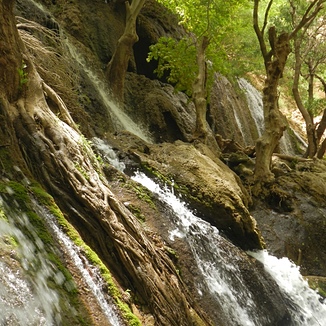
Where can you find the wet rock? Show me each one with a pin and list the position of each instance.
(210, 188)
(293, 218)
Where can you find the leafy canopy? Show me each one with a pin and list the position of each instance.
(225, 23)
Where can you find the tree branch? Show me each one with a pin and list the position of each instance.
(308, 17)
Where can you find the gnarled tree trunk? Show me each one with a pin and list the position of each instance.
(58, 157)
(274, 122)
(199, 92)
(11, 59)
(274, 59)
(117, 67)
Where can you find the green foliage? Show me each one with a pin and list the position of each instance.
(23, 75)
(226, 24)
(176, 60)
(316, 106)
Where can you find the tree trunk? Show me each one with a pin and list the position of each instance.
(274, 124)
(321, 127)
(319, 132)
(199, 92)
(310, 127)
(322, 150)
(10, 55)
(57, 156)
(118, 65)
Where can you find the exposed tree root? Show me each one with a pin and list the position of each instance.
(64, 163)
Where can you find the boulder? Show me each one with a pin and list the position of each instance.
(208, 186)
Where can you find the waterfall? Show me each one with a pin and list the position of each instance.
(107, 153)
(121, 120)
(224, 279)
(240, 127)
(25, 297)
(255, 105)
(307, 310)
(89, 273)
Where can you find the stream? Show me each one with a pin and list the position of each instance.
(221, 272)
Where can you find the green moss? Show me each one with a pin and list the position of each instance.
(137, 212)
(17, 195)
(157, 174)
(142, 193)
(82, 171)
(105, 273)
(180, 189)
(44, 198)
(318, 284)
(127, 314)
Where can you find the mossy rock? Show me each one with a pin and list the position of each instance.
(317, 283)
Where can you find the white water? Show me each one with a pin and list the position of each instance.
(255, 105)
(107, 153)
(89, 273)
(25, 297)
(120, 119)
(307, 310)
(239, 124)
(224, 280)
(238, 305)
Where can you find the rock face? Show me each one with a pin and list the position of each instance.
(159, 218)
(291, 219)
(167, 115)
(207, 184)
(229, 113)
(293, 223)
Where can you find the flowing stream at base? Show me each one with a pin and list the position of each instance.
(224, 280)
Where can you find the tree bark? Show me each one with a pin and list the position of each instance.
(59, 159)
(118, 65)
(274, 122)
(274, 60)
(10, 53)
(322, 126)
(310, 127)
(199, 91)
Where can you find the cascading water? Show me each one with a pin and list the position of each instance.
(89, 273)
(107, 153)
(255, 105)
(25, 297)
(224, 280)
(121, 120)
(307, 310)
